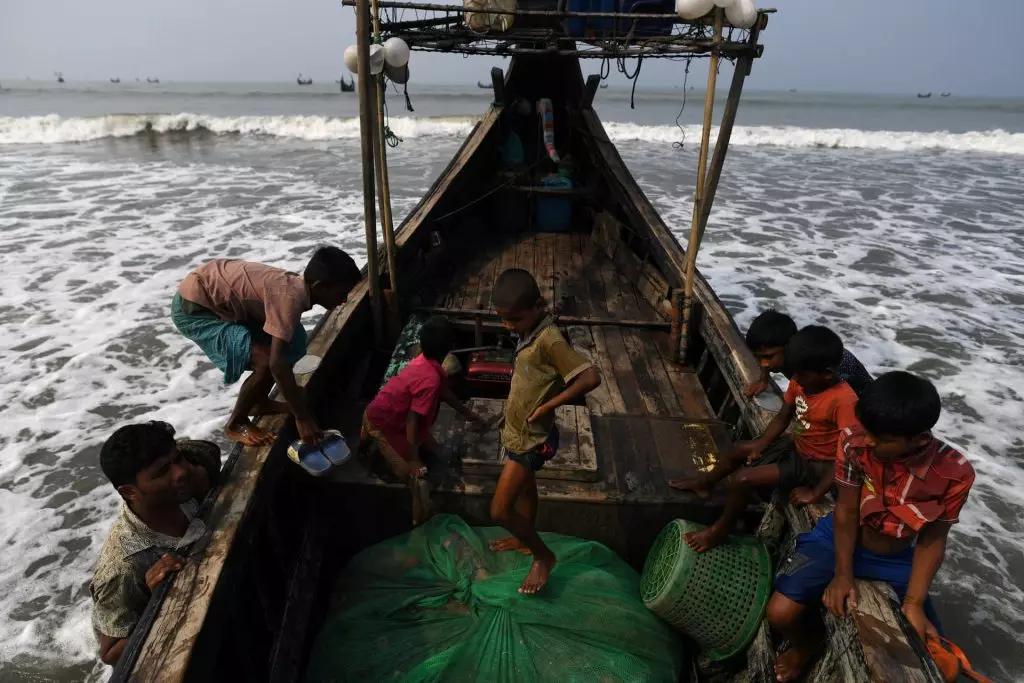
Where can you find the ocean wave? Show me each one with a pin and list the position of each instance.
(53, 129)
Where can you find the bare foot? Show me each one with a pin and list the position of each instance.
(698, 485)
(703, 541)
(508, 543)
(537, 578)
(269, 407)
(249, 434)
(790, 664)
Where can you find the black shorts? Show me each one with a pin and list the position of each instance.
(794, 471)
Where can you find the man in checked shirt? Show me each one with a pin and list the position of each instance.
(900, 492)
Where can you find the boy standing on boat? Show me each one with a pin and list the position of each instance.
(896, 482)
(819, 405)
(767, 337)
(246, 316)
(159, 484)
(547, 373)
(399, 419)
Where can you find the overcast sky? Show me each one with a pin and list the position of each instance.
(892, 46)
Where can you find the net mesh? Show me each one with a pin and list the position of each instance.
(436, 605)
(716, 597)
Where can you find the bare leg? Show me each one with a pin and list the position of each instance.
(739, 492)
(268, 406)
(702, 484)
(254, 389)
(515, 481)
(796, 624)
(526, 505)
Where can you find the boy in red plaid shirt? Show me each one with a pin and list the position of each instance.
(897, 484)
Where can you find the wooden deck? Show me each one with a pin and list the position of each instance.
(649, 421)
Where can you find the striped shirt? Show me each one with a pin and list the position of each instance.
(899, 498)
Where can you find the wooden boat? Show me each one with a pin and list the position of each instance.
(252, 595)
(924, 95)
(303, 81)
(349, 86)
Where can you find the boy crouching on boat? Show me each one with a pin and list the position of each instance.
(246, 316)
(547, 373)
(767, 337)
(819, 405)
(399, 419)
(896, 482)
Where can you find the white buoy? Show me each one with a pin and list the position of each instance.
(351, 59)
(376, 59)
(724, 3)
(693, 9)
(741, 13)
(397, 74)
(396, 52)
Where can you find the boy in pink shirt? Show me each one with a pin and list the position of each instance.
(399, 419)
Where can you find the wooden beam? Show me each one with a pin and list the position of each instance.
(590, 90)
(498, 85)
(366, 107)
(472, 314)
(682, 329)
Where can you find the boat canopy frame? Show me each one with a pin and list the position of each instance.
(442, 28)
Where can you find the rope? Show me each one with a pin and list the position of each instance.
(682, 131)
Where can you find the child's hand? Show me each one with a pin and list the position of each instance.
(804, 495)
(309, 431)
(839, 592)
(916, 616)
(755, 388)
(159, 571)
(751, 449)
(539, 412)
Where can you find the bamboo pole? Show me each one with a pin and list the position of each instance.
(681, 319)
(381, 164)
(366, 140)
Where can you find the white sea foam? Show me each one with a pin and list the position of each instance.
(56, 129)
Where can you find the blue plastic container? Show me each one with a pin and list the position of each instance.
(554, 213)
(646, 27)
(583, 27)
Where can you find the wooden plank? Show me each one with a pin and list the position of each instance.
(606, 399)
(525, 254)
(287, 658)
(692, 399)
(684, 448)
(472, 313)
(581, 292)
(585, 436)
(469, 292)
(609, 345)
(487, 275)
(544, 260)
(595, 295)
(656, 388)
(564, 302)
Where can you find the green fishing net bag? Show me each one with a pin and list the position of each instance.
(436, 605)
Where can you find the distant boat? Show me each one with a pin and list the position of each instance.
(115, 80)
(59, 75)
(792, 90)
(300, 81)
(924, 95)
(944, 94)
(481, 84)
(347, 87)
(152, 80)
(603, 86)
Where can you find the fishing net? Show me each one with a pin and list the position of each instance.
(436, 605)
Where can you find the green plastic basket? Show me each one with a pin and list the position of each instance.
(717, 598)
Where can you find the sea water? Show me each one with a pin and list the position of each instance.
(896, 221)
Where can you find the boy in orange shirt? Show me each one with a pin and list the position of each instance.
(900, 492)
(819, 405)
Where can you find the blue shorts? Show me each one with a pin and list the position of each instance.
(228, 345)
(806, 574)
(536, 458)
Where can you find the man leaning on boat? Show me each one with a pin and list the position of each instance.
(160, 481)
